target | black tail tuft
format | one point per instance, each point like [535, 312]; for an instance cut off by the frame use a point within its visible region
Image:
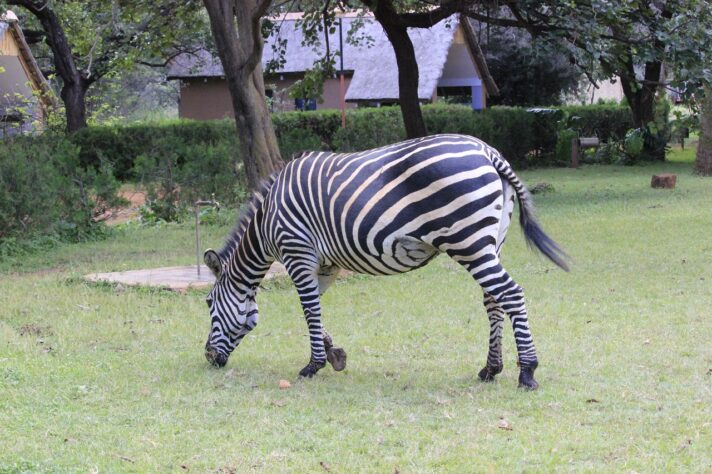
[535, 235]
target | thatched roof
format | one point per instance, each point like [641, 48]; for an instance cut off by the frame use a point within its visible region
[9, 22]
[372, 60]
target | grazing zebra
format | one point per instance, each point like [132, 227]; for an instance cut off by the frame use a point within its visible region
[383, 211]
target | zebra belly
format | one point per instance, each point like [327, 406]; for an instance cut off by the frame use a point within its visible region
[401, 255]
[409, 253]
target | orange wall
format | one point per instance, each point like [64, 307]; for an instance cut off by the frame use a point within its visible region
[207, 99]
[204, 99]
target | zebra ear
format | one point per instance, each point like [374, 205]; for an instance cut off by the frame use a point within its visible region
[212, 260]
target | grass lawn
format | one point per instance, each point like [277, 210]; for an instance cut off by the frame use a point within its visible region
[106, 379]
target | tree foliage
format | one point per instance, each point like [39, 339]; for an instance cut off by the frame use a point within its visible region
[527, 71]
[86, 41]
[628, 39]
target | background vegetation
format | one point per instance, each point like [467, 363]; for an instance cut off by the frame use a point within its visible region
[108, 378]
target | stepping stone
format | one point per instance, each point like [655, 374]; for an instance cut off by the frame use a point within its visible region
[171, 278]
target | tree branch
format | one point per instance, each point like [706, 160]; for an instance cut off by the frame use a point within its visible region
[503, 22]
[432, 17]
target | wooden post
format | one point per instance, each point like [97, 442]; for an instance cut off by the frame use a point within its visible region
[575, 152]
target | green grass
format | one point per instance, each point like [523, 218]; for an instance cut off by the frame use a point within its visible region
[94, 377]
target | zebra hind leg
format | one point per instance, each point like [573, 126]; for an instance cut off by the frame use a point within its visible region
[494, 363]
[511, 300]
[496, 282]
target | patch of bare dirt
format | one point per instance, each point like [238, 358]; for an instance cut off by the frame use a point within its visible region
[122, 214]
[33, 329]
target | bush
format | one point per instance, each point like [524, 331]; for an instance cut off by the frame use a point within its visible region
[121, 145]
[177, 174]
[44, 190]
[524, 137]
[602, 120]
[369, 128]
[562, 154]
[295, 141]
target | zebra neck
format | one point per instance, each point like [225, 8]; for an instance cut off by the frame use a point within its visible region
[249, 261]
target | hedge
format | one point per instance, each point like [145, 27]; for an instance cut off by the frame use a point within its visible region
[194, 159]
[524, 136]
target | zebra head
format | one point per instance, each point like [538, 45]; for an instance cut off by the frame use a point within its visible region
[233, 312]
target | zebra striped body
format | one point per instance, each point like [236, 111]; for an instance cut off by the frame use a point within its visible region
[380, 212]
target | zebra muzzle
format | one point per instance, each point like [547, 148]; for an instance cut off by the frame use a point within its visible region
[214, 357]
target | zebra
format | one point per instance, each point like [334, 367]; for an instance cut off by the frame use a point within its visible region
[382, 211]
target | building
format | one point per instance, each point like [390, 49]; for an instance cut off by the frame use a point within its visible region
[449, 59]
[25, 94]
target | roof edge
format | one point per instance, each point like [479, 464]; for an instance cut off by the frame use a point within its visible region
[478, 57]
[46, 95]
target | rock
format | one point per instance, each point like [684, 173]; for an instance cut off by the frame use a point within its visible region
[664, 181]
[284, 384]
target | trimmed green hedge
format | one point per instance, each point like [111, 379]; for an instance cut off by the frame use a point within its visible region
[179, 161]
[525, 137]
[122, 145]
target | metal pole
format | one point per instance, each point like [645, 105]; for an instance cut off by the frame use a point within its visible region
[341, 81]
[197, 206]
[197, 238]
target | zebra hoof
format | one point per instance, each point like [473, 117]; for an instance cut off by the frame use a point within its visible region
[526, 379]
[311, 369]
[487, 374]
[337, 358]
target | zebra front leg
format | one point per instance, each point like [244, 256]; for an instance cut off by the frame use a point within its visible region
[303, 274]
[336, 356]
[494, 363]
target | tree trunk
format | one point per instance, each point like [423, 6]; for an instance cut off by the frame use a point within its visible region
[241, 58]
[408, 74]
[703, 160]
[74, 98]
[641, 100]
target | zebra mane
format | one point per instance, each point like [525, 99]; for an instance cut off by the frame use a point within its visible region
[245, 216]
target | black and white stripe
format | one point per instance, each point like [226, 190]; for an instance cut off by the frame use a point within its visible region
[383, 211]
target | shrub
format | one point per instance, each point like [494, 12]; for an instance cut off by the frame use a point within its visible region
[322, 124]
[562, 154]
[293, 142]
[121, 145]
[176, 175]
[44, 190]
[609, 152]
[369, 128]
[524, 137]
[602, 120]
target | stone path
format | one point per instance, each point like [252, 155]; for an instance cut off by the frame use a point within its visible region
[172, 278]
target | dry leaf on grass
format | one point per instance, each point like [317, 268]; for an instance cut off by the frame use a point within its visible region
[284, 384]
[504, 425]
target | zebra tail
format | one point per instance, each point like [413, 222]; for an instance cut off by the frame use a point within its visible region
[533, 232]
